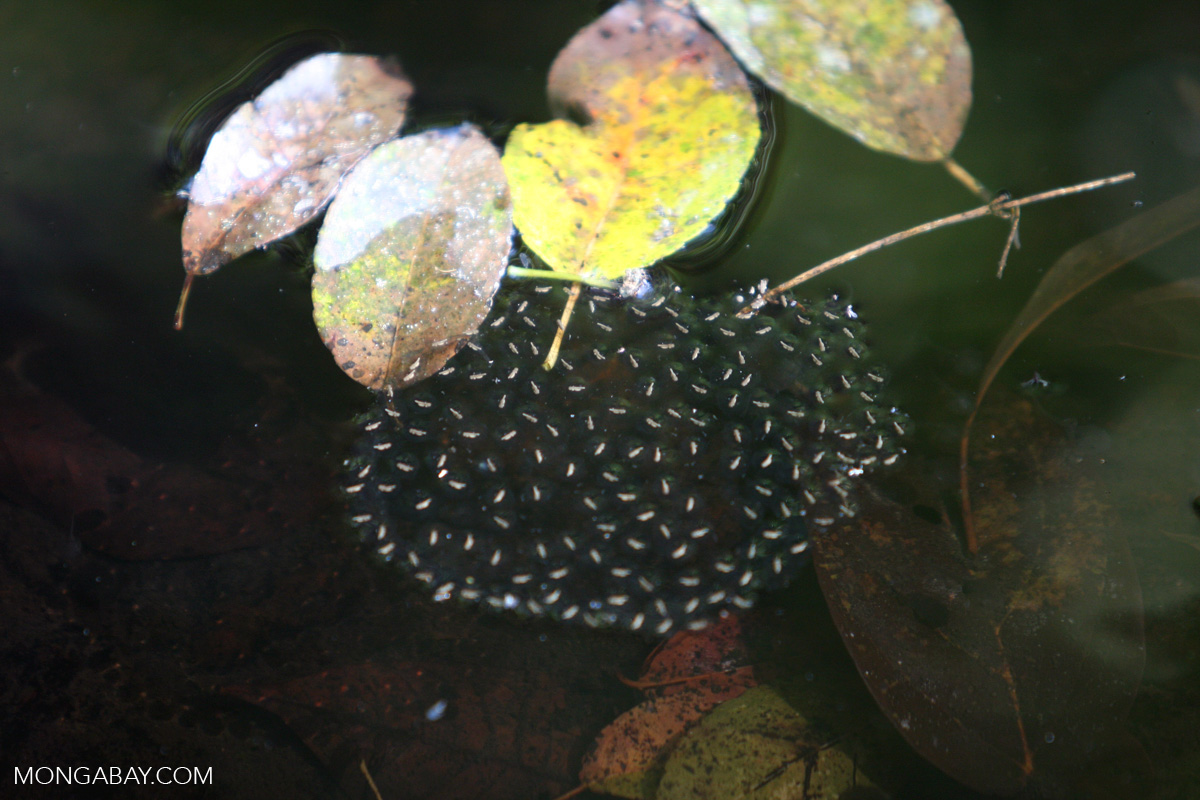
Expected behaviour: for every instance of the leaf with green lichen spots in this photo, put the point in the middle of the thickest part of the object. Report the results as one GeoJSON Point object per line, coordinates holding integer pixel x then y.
{"type": "Point", "coordinates": [411, 254]}
{"type": "Point", "coordinates": [671, 128]}
{"type": "Point", "coordinates": [894, 74]}
{"type": "Point", "coordinates": [784, 742]}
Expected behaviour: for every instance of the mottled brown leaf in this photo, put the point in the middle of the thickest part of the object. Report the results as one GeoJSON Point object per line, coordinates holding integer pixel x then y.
{"type": "Point", "coordinates": [627, 757]}
{"type": "Point", "coordinates": [720, 647]}
{"type": "Point", "coordinates": [1011, 668]}
{"type": "Point", "coordinates": [276, 161]}
{"type": "Point", "coordinates": [411, 254]}
{"type": "Point", "coordinates": [685, 678]}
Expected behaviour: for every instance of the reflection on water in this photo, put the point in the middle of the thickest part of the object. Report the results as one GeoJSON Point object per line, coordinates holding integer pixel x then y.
{"type": "Point", "coordinates": [174, 585]}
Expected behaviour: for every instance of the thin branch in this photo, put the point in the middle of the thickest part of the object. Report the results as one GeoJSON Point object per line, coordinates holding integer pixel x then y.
{"type": "Point", "coordinates": [552, 356]}
{"type": "Point", "coordinates": [1012, 240]}
{"type": "Point", "coordinates": [991, 209]}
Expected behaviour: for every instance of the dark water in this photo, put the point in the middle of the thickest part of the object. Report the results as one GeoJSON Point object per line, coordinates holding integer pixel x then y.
{"type": "Point", "coordinates": [237, 633]}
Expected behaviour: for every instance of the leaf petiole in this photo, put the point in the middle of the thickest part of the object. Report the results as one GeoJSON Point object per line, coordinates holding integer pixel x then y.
{"type": "Point", "coordinates": [555, 275]}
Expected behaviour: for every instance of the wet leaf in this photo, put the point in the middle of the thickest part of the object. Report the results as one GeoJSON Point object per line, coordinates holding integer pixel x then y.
{"type": "Point", "coordinates": [894, 74]}
{"type": "Point", "coordinates": [1164, 319]}
{"type": "Point", "coordinates": [690, 674]}
{"type": "Point", "coordinates": [720, 647]}
{"type": "Point", "coordinates": [411, 254]}
{"type": "Point", "coordinates": [276, 161]}
{"type": "Point", "coordinates": [1011, 668]}
{"type": "Point", "coordinates": [628, 755]}
{"type": "Point", "coordinates": [671, 128]}
{"type": "Point", "coordinates": [1088, 262]}
{"type": "Point", "coordinates": [758, 745]}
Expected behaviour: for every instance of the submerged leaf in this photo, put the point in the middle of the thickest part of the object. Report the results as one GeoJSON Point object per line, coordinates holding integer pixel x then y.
{"type": "Point", "coordinates": [894, 74]}
{"type": "Point", "coordinates": [276, 161]}
{"type": "Point", "coordinates": [1088, 262]}
{"type": "Point", "coordinates": [671, 127]}
{"type": "Point", "coordinates": [1013, 667]}
{"type": "Point", "coordinates": [758, 745]}
{"type": "Point", "coordinates": [411, 254]}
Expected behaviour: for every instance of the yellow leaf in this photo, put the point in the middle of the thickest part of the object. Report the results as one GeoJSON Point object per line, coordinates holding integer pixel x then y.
{"type": "Point", "coordinates": [673, 126]}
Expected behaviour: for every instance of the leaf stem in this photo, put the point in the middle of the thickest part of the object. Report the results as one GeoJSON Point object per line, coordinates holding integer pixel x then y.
{"type": "Point", "coordinates": [183, 298]}
{"type": "Point", "coordinates": [555, 275]}
{"type": "Point", "coordinates": [991, 209]}
{"type": "Point", "coordinates": [959, 174]}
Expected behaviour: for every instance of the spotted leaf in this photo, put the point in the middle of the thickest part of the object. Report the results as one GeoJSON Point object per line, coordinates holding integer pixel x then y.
{"type": "Point", "coordinates": [410, 255]}
{"type": "Point", "coordinates": [274, 164]}
{"type": "Point", "coordinates": [894, 74]}
{"type": "Point", "coordinates": [671, 126]}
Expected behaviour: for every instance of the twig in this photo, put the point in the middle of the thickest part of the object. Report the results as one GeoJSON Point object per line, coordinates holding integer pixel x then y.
{"type": "Point", "coordinates": [1012, 240]}
{"type": "Point", "coordinates": [362, 765]}
{"type": "Point", "coordinates": [552, 356]}
{"type": "Point", "coordinates": [991, 209]}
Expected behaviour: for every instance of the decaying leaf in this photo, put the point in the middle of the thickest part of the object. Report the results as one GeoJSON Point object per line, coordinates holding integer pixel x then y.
{"type": "Point", "coordinates": [274, 164]}
{"type": "Point", "coordinates": [721, 647]}
{"type": "Point", "coordinates": [411, 254]}
{"type": "Point", "coordinates": [671, 126]}
{"type": "Point", "coordinates": [894, 74]}
{"type": "Point", "coordinates": [1014, 667]}
{"type": "Point", "coordinates": [760, 746]}
{"type": "Point", "coordinates": [692, 673]}
{"type": "Point", "coordinates": [628, 756]}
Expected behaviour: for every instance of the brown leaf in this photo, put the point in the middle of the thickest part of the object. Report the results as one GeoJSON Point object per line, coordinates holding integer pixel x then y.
{"type": "Point", "coordinates": [718, 648]}
{"type": "Point", "coordinates": [1163, 319]}
{"type": "Point", "coordinates": [411, 254]}
{"type": "Point", "coordinates": [628, 755]}
{"type": "Point", "coordinates": [1010, 668]}
{"type": "Point", "coordinates": [1088, 262]}
{"type": "Point", "coordinates": [276, 161]}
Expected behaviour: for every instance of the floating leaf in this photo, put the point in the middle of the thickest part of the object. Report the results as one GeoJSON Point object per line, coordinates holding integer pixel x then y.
{"type": "Point", "coordinates": [1014, 667]}
{"type": "Point", "coordinates": [894, 74]}
{"type": "Point", "coordinates": [672, 127]}
{"type": "Point", "coordinates": [411, 254]}
{"type": "Point", "coordinates": [276, 161]}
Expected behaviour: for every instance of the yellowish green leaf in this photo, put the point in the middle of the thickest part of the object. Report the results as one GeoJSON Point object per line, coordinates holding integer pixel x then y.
{"type": "Point", "coordinates": [411, 254]}
{"type": "Point", "coordinates": [894, 74]}
{"type": "Point", "coordinates": [671, 127]}
{"type": "Point", "coordinates": [760, 746]}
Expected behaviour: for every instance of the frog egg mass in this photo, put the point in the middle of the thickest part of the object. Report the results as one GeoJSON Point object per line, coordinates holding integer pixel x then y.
{"type": "Point", "coordinates": [668, 467]}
